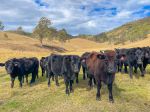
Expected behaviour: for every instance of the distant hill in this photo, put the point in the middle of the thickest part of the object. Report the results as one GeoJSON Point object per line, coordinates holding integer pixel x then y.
{"type": "Point", "coordinates": [132, 31]}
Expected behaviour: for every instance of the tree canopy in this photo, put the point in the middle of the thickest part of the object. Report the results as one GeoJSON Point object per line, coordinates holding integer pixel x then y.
{"type": "Point", "coordinates": [1, 26]}
{"type": "Point", "coordinates": [42, 29]}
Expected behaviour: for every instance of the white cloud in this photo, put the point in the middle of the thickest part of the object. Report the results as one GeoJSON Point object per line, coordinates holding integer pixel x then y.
{"type": "Point", "coordinates": [77, 16]}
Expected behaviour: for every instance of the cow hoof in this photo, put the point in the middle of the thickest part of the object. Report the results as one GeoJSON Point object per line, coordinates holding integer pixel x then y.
{"type": "Point", "coordinates": [111, 100]}
{"type": "Point", "coordinates": [57, 84]}
{"type": "Point", "coordinates": [142, 75]}
{"type": "Point", "coordinates": [48, 85]}
{"type": "Point", "coordinates": [67, 92]}
{"type": "Point", "coordinates": [77, 82]}
{"type": "Point", "coordinates": [71, 91]}
{"type": "Point", "coordinates": [98, 98]}
{"type": "Point", "coordinates": [131, 77]}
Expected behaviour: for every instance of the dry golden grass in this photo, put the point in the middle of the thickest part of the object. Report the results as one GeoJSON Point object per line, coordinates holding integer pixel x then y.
{"type": "Point", "coordinates": [130, 95]}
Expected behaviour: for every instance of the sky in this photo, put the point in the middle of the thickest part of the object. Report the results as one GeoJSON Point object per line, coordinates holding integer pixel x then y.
{"type": "Point", "coordinates": [76, 16]}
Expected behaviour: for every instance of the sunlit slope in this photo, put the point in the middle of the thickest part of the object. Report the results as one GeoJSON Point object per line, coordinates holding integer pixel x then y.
{"type": "Point", "coordinates": [141, 43]}
{"type": "Point", "coordinates": [16, 42]}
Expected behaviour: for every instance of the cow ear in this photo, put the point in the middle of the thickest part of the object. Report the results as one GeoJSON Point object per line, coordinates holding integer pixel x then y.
{"type": "Point", "coordinates": [69, 59]}
{"type": "Point", "coordinates": [15, 64]}
{"type": "Point", "coordinates": [100, 56]}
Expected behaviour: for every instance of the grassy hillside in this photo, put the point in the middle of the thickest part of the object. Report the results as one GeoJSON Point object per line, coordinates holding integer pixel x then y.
{"type": "Point", "coordinates": [132, 31]}
{"type": "Point", "coordinates": [129, 95]}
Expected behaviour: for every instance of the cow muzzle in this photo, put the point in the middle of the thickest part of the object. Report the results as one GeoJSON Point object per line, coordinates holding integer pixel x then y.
{"type": "Point", "coordinates": [139, 62]}
{"type": "Point", "coordinates": [111, 68]}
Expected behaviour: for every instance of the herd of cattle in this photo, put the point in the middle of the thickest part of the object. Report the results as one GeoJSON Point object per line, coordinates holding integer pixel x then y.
{"type": "Point", "coordinates": [97, 66]}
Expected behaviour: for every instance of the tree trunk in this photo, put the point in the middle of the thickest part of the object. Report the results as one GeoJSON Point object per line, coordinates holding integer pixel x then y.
{"type": "Point", "coordinates": [41, 42]}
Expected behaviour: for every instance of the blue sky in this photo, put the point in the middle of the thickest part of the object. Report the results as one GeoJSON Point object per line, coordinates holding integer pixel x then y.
{"type": "Point", "coordinates": [76, 16]}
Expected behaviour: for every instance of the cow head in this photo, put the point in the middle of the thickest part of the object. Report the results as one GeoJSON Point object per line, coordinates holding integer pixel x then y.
{"type": "Point", "coordinates": [139, 55]}
{"type": "Point", "coordinates": [11, 67]}
{"type": "Point", "coordinates": [109, 59]}
{"type": "Point", "coordinates": [66, 63]}
{"type": "Point", "coordinates": [146, 52]}
{"type": "Point", "coordinates": [75, 63]}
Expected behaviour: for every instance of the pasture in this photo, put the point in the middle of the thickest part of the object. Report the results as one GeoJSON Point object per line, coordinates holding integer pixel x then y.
{"type": "Point", "coordinates": [129, 95]}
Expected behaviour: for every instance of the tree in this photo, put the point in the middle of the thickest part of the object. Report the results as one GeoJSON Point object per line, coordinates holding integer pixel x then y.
{"type": "Point", "coordinates": [1, 26]}
{"type": "Point", "coordinates": [62, 36]}
{"type": "Point", "coordinates": [42, 29]}
{"type": "Point", "coordinates": [52, 33]}
{"type": "Point", "coordinates": [20, 29]}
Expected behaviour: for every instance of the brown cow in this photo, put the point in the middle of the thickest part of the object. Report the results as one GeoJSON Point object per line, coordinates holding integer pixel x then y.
{"type": "Point", "coordinates": [103, 67]}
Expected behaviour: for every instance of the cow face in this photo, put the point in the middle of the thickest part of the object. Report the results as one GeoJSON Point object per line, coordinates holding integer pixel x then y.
{"type": "Point", "coordinates": [109, 62]}
{"type": "Point", "coordinates": [66, 63]}
{"type": "Point", "coordinates": [111, 65]}
{"type": "Point", "coordinates": [131, 55]}
{"type": "Point", "coordinates": [139, 55]}
{"type": "Point", "coordinates": [147, 52]}
{"type": "Point", "coordinates": [11, 68]}
{"type": "Point", "coordinates": [75, 64]}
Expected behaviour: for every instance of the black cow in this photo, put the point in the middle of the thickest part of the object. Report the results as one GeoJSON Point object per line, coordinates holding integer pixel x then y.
{"type": "Point", "coordinates": [76, 63]}
{"type": "Point", "coordinates": [43, 64]}
{"type": "Point", "coordinates": [68, 71]}
{"type": "Point", "coordinates": [146, 60]}
{"type": "Point", "coordinates": [121, 59]}
{"type": "Point", "coordinates": [54, 67]}
{"type": "Point", "coordinates": [22, 67]}
{"type": "Point", "coordinates": [135, 57]}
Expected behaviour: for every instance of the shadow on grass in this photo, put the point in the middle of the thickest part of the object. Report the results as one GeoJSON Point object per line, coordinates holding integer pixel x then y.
{"type": "Point", "coordinates": [53, 48]}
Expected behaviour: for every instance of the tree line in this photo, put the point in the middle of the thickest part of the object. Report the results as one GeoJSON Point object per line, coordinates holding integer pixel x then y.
{"type": "Point", "coordinates": [43, 30]}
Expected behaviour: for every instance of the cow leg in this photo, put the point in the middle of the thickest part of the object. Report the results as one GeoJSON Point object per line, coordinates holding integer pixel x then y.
{"type": "Point", "coordinates": [47, 72]}
{"type": "Point", "coordinates": [144, 68]}
{"type": "Point", "coordinates": [53, 77]}
{"type": "Point", "coordinates": [33, 78]}
{"type": "Point", "coordinates": [121, 65]}
{"type": "Point", "coordinates": [49, 78]}
{"type": "Point", "coordinates": [118, 66]}
{"type": "Point", "coordinates": [67, 84]}
{"type": "Point", "coordinates": [90, 81]}
{"type": "Point", "coordinates": [98, 90]}
{"type": "Point", "coordinates": [42, 72]}
{"type": "Point", "coordinates": [142, 71]}
{"type": "Point", "coordinates": [77, 80]}
{"type": "Point", "coordinates": [12, 82]}
{"type": "Point", "coordinates": [125, 69]}
{"type": "Point", "coordinates": [94, 81]}
{"type": "Point", "coordinates": [56, 80]}
{"type": "Point", "coordinates": [83, 73]}
{"type": "Point", "coordinates": [20, 80]}
{"type": "Point", "coordinates": [71, 88]}
{"type": "Point", "coordinates": [27, 79]}
{"type": "Point", "coordinates": [23, 79]}
{"type": "Point", "coordinates": [36, 73]}
{"type": "Point", "coordinates": [131, 70]}
{"type": "Point", "coordinates": [110, 93]}
{"type": "Point", "coordinates": [135, 69]}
